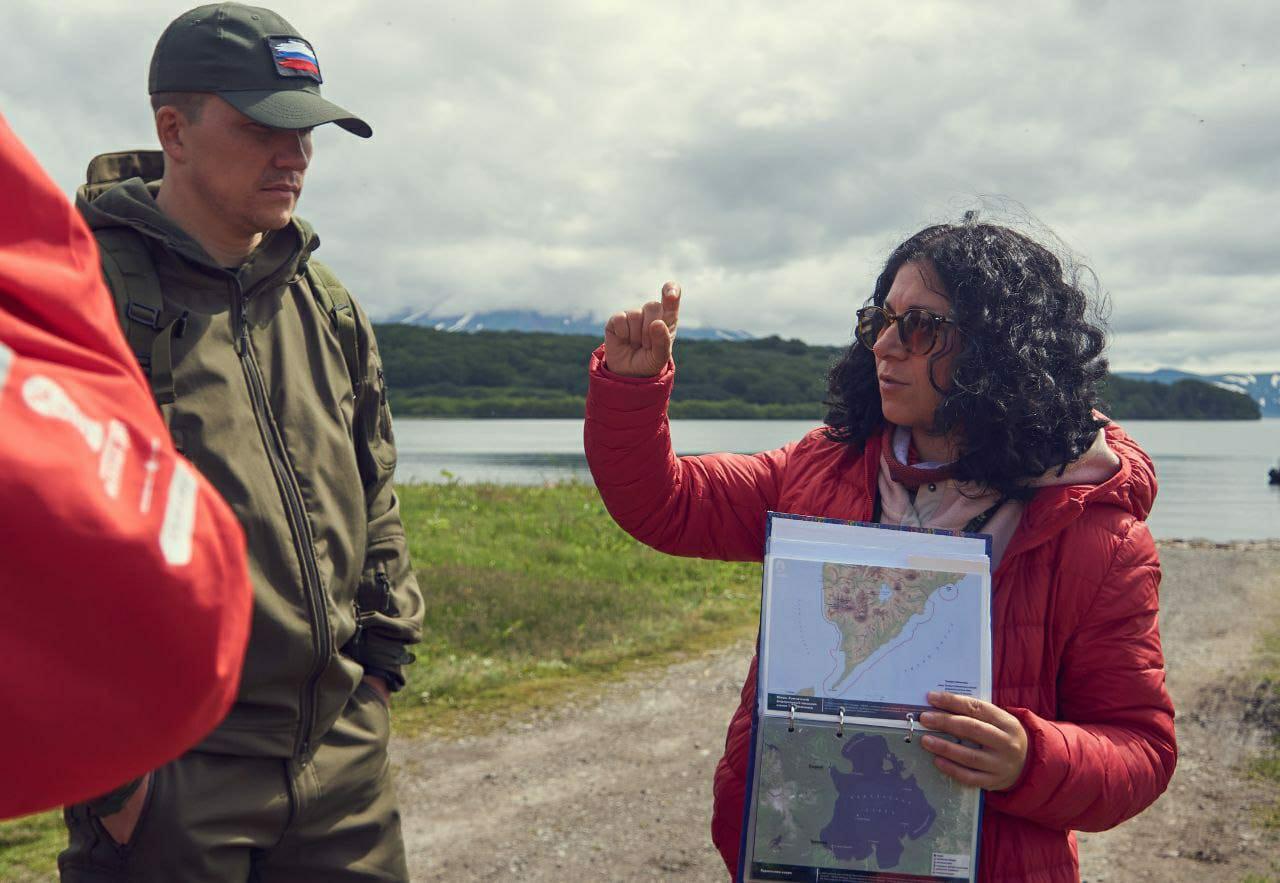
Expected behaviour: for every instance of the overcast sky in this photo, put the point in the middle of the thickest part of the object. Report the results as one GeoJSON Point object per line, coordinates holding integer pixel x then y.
{"type": "Point", "coordinates": [570, 156]}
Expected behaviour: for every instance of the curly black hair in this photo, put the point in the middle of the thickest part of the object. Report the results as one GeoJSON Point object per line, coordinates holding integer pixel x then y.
{"type": "Point", "coordinates": [1025, 383]}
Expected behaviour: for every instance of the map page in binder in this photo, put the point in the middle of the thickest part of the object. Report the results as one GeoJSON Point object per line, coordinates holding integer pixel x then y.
{"type": "Point", "coordinates": [858, 624]}
{"type": "Point", "coordinates": [869, 638]}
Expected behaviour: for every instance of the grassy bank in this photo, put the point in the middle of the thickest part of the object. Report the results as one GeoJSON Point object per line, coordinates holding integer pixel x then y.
{"type": "Point", "coordinates": [483, 404]}
{"type": "Point", "coordinates": [532, 595]}
{"type": "Point", "coordinates": [531, 590]}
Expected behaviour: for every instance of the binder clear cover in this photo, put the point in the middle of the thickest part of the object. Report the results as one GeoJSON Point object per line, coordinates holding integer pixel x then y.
{"type": "Point", "coordinates": [858, 622]}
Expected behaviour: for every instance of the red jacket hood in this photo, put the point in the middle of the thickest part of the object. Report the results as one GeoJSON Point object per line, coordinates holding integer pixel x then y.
{"type": "Point", "coordinates": [1132, 488]}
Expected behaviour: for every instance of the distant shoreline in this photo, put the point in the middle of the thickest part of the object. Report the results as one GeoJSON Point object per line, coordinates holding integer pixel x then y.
{"type": "Point", "coordinates": [512, 374]}
{"type": "Point", "coordinates": [404, 405]}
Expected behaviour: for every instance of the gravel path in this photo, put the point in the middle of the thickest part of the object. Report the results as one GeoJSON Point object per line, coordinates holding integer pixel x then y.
{"type": "Point", "coordinates": [618, 788]}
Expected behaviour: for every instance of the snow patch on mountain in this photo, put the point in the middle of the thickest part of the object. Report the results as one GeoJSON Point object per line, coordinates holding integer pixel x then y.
{"type": "Point", "coordinates": [1262, 388]}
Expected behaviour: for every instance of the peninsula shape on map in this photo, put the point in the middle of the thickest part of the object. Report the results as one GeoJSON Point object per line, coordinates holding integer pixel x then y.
{"type": "Point", "coordinates": [866, 801]}
{"type": "Point", "coordinates": [876, 634]}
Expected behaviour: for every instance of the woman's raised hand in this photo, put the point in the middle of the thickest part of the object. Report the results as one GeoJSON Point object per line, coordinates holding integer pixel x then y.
{"type": "Point", "coordinates": [638, 343]}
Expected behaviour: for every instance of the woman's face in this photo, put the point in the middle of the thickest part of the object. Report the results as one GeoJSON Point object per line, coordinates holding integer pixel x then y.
{"type": "Point", "coordinates": [907, 397]}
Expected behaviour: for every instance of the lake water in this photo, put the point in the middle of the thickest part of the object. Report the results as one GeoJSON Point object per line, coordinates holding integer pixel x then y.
{"type": "Point", "coordinates": [1213, 474]}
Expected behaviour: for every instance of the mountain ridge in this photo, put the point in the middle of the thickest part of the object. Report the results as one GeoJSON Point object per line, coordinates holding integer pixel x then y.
{"type": "Point", "coordinates": [522, 374]}
{"type": "Point", "coordinates": [1262, 387]}
{"type": "Point", "coordinates": [533, 321]}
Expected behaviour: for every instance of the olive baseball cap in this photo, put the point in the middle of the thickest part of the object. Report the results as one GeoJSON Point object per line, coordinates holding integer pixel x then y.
{"type": "Point", "coordinates": [251, 58]}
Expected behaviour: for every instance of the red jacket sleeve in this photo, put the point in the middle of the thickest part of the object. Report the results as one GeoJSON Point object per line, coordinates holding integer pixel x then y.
{"type": "Point", "coordinates": [1118, 752]}
{"type": "Point", "coordinates": [124, 576]}
{"type": "Point", "coordinates": [711, 506]}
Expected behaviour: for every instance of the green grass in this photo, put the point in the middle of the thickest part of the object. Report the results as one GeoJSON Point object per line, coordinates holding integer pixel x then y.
{"type": "Point", "coordinates": [532, 590]}
{"type": "Point", "coordinates": [532, 594]}
{"type": "Point", "coordinates": [1267, 765]}
{"type": "Point", "coordinates": [29, 846]}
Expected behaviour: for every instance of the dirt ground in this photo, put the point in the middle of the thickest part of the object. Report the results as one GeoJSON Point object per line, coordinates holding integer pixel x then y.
{"type": "Point", "coordinates": [618, 788]}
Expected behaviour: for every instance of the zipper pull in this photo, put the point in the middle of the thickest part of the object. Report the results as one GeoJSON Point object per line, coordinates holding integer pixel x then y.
{"type": "Point", "coordinates": [242, 339]}
{"type": "Point", "coordinates": [239, 327]}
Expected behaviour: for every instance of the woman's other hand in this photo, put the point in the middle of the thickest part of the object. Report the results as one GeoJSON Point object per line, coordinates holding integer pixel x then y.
{"type": "Point", "coordinates": [997, 762]}
{"type": "Point", "coordinates": [638, 343]}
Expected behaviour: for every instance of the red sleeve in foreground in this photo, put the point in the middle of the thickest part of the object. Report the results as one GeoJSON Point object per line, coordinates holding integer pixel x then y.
{"type": "Point", "coordinates": [124, 576]}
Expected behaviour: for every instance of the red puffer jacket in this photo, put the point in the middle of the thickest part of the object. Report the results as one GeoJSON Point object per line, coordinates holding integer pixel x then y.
{"type": "Point", "coordinates": [122, 572]}
{"type": "Point", "coordinates": [1076, 646]}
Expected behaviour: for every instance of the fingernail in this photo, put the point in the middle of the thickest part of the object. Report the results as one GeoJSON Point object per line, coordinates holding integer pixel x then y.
{"type": "Point", "coordinates": [934, 695]}
{"type": "Point", "coordinates": [928, 719]}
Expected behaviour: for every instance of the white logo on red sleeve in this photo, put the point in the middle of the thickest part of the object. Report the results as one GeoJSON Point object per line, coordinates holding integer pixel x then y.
{"type": "Point", "coordinates": [179, 515]}
{"type": "Point", "coordinates": [115, 451]}
{"type": "Point", "coordinates": [110, 440]}
{"type": "Point", "coordinates": [152, 466]}
{"type": "Point", "coordinates": [48, 399]}
{"type": "Point", "coordinates": [6, 359]}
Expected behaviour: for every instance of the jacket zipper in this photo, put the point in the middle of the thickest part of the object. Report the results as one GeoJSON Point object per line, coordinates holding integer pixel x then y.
{"type": "Point", "coordinates": [295, 512]}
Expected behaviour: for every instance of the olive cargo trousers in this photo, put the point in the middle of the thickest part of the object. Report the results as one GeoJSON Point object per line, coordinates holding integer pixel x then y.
{"type": "Point", "coordinates": [211, 817]}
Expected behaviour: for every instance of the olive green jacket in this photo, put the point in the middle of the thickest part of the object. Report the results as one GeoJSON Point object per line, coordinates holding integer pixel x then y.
{"type": "Point", "coordinates": [264, 407]}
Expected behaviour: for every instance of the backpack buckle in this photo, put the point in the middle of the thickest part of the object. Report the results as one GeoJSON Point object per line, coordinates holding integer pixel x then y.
{"type": "Point", "coordinates": [143, 314]}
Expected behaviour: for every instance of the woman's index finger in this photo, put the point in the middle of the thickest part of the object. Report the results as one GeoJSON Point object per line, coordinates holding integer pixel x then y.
{"type": "Point", "coordinates": [671, 304]}
{"type": "Point", "coordinates": [971, 707]}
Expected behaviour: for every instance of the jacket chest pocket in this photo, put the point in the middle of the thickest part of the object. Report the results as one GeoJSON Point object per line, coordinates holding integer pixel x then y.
{"type": "Point", "coordinates": [374, 435]}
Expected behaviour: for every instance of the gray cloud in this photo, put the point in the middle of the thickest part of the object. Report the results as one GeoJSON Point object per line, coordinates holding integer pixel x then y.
{"type": "Point", "coordinates": [571, 156]}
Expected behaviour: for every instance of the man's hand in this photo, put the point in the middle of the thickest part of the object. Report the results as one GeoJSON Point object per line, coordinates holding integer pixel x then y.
{"type": "Point", "coordinates": [120, 825]}
{"type": "Point", "coordinates": [638, 343]}
{"type": "Point", "coordinates": [1002, 742]}
{"type": "Point", "coordinates": [380, 687]}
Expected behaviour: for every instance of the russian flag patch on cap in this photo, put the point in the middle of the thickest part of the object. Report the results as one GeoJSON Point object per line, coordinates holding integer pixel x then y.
{"type": "Point", "coordinates": [294, 57]}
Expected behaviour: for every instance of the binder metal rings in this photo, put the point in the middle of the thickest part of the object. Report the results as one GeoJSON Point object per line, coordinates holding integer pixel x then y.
{"type": "Point", "coordinates": [911, 727]}
{"type": "Point", "coordinates": [840, 729]}
{"type": "Point", "coordinates": [791, 722]}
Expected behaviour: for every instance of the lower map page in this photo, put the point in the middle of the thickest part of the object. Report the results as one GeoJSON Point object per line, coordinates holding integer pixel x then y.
{"type": "Point", "coordinates": [865, 801]}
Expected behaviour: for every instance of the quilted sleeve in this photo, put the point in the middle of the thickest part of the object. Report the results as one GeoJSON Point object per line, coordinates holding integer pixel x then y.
{"type": "Point", "coordinates": [1112, 751]}
{"type": "Point", "coordinates": [710, 506]}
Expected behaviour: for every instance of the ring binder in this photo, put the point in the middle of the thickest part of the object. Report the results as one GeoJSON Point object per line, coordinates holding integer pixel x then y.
{"type": "Point", "coordinates": [894, 814]}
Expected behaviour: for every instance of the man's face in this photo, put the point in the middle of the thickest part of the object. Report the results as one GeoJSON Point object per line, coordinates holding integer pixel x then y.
{"type": "Point", "coordinates": [248, 174]}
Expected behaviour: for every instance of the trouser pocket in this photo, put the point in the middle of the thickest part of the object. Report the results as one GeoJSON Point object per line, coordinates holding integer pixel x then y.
{"type": "Point", "coordinates": [92, 854]}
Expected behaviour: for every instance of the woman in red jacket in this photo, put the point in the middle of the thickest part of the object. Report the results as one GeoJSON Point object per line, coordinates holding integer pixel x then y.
{"type": "Point", "coordinates": [967, 401]}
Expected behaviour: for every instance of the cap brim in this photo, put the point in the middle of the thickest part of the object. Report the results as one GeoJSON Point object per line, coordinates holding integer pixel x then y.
{"type": "Point", "coordinates": [294, 109]}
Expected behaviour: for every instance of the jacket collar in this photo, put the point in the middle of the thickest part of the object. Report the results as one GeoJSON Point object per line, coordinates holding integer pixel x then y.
{"type": "Point", "coordinates": [1132, 488]}
{"type": "Point", "coordinates": [280, 257]}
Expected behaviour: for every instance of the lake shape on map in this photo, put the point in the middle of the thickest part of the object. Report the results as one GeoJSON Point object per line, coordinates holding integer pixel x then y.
{"type": "Point", "coordinates": [878, 634]}
{"type": "Point", "coordinates": [867, 801]}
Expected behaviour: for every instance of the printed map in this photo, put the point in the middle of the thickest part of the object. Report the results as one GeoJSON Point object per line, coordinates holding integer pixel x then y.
{"type": "Point", "coordinates": [868, 801]}
{"type": "Point", "coordinates": [882, 634]}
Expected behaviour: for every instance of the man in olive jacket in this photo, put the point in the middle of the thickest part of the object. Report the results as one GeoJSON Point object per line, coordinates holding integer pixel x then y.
{"type": "Point", "coordinates": [269, 378]}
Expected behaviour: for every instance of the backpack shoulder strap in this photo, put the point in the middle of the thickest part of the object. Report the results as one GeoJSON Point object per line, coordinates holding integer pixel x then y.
{"type": "Point", "coordinates": [130, 273]}
{"type": "Point", "coordinates": [335, 300]}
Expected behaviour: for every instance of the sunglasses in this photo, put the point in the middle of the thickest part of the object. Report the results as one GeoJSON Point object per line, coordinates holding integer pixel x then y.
{"type": "Point", "coordinates": [918, 329]}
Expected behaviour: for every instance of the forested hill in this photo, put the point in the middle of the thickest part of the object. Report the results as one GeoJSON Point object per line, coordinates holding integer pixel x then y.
{"type": "Point", "coordinates": [512, 374]}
